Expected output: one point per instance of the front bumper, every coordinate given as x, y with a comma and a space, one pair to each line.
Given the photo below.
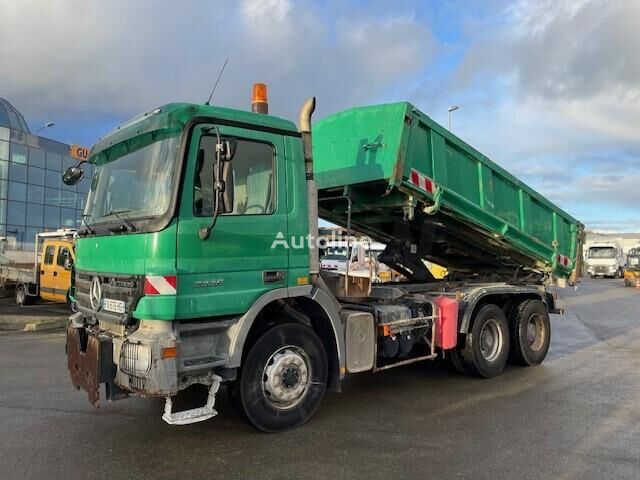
130, 364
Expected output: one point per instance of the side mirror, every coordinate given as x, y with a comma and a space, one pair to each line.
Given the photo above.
223, 182
68, 263
72, 175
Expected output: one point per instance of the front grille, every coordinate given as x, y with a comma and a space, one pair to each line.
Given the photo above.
601, 269
127, 288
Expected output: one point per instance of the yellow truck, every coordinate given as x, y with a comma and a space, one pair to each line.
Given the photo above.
49, 278
632, 269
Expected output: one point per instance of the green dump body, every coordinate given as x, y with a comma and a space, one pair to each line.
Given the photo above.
404, 172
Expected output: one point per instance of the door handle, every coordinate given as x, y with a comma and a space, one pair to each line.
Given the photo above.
273, 276
55, 274
41, 272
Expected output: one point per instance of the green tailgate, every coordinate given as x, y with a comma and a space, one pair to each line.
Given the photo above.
390, 143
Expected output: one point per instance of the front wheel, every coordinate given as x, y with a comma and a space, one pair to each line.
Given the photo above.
283, 379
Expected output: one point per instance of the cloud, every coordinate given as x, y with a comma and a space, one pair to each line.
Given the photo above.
551, 90
119, 58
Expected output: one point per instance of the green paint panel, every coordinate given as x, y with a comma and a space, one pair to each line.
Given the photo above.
363, 145
386, 142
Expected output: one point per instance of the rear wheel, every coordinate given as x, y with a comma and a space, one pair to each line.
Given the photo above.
487, 347
530, 333
22, 295
456, 360
283, 379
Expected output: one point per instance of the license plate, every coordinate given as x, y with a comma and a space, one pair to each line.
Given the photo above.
116, 306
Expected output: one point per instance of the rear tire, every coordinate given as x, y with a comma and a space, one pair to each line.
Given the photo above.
22, 295
487, 346
283, 378
456, 361
530, 330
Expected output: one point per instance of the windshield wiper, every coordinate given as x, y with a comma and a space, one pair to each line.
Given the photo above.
89, 230
128, 224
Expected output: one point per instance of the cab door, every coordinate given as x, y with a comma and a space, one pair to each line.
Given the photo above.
62, 273
48, 272
226, 273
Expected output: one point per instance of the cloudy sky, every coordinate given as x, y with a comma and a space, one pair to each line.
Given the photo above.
550, 90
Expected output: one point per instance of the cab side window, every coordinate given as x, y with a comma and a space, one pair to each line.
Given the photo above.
48, 254
63, 254
253, 174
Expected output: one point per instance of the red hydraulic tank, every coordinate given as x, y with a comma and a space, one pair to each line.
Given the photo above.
447, 323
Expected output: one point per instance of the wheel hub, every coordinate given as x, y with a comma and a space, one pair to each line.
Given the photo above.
286, 379
491, 340
535, 332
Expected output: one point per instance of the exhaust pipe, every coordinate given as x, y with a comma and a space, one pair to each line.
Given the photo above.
312, 192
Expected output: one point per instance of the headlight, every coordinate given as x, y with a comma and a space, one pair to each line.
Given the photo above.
612, 268
135, 358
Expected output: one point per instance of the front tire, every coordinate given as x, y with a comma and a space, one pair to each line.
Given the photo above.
530, 333
487, 347
283, 379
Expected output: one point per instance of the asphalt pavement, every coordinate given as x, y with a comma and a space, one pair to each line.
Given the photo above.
577, 416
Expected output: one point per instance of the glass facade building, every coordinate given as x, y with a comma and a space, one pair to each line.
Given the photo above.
33, 198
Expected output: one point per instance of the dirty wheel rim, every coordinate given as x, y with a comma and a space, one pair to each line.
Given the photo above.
20, 296
286, 377
491, 340
536, 332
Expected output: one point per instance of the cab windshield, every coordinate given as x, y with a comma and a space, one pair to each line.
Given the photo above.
602, 252
134, 180
633, 261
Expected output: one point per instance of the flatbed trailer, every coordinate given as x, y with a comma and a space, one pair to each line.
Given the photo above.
205, 221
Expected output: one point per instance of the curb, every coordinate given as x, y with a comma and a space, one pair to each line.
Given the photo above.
46, 325
30, 325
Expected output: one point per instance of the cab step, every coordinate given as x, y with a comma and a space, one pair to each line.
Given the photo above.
193, 415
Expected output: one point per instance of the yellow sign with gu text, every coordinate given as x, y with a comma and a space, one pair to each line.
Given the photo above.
79, 152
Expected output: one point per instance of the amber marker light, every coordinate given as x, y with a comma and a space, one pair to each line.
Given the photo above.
259, 100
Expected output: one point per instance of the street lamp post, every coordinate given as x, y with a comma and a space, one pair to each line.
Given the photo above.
46, 125
452, 108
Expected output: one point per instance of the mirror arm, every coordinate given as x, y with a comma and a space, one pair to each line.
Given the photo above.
218, 187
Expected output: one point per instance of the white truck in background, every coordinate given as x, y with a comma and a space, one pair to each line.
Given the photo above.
605, 259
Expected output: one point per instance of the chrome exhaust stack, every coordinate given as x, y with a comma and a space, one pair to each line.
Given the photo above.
312, 193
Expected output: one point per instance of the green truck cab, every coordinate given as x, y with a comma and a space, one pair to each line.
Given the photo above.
198, 264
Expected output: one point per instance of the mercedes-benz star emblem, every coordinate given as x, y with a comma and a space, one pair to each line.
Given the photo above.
95, 294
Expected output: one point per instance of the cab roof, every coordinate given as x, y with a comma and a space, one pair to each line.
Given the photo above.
174, 116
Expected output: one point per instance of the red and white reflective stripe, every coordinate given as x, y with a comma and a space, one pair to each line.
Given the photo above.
564, 261
422, 182
160, 284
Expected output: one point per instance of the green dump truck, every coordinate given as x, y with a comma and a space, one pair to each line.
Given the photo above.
198, 258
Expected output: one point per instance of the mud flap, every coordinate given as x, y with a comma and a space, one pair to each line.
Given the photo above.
83, 362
